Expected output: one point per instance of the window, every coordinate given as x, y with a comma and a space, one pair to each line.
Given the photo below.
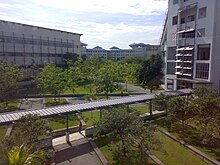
202, 70
203, 52
202, 12
170, 83
175, 20
201, 32
171, 67
182, 20
191, 18
175, 2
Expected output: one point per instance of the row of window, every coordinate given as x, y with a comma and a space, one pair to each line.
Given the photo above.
202, 70
190, 18
7, 54
32, 41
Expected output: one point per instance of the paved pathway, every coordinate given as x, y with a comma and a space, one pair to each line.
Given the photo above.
78, 151
139, 89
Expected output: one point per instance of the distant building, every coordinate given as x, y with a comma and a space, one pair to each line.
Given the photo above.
191, 44
26, 45
137, 50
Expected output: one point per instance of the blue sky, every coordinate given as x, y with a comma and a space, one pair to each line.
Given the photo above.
105, 23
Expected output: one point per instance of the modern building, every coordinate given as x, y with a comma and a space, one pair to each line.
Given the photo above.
26, 45
137, 50
191, 44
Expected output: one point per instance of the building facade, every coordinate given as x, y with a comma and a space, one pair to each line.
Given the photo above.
26, 45
190, 44
115, 53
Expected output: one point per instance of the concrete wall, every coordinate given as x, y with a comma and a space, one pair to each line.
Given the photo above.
26, 44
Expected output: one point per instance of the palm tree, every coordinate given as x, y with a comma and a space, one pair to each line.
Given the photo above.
23, 155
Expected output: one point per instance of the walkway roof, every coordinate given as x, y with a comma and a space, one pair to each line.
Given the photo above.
10, 117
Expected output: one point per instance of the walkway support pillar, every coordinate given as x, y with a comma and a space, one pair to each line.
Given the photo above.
150, 107
67, 128
100, 114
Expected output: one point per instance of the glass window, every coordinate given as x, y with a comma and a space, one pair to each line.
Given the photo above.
201, 32
203, 52
175, 2
202, 70
202, 12
171, 67
170, 83
175, 20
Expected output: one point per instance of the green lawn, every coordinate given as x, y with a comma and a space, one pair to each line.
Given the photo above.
104, 144
3, 130
52, 102
91, 117
141, 109
60, 122
171, 152
192, 137
8, 106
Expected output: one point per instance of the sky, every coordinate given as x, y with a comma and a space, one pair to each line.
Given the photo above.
105, 23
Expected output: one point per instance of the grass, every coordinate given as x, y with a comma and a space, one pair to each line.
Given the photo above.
3, 130
194, 138
171, 152
105, 145
60, 122
91, 117
141, 109
52, 102
8, 106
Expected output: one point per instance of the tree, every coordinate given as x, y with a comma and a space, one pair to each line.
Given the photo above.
178, 110
26, 135
9, 77
51, 79
107, 78
131, 137
150, 74
160, 102
70, 58
25, 155
206, 106
129, 72
27, 132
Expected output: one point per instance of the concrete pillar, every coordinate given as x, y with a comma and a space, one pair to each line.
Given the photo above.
67, 128
150, 107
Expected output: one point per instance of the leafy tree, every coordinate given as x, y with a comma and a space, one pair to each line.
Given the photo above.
206, 106
51, 79
129, 72
178, 110
27, 132
25, 155
70, 58
150, 74
9, 77
107, 78
131, 138
133, 60
160, 102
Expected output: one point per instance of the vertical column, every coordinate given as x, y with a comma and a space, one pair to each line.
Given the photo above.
100, 114
150, 107
14, 48
67, 128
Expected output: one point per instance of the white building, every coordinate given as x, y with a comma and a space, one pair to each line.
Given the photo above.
191, 44
137, 50
26, 45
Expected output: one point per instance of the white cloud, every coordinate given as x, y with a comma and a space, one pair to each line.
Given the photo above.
135, 7
64, 15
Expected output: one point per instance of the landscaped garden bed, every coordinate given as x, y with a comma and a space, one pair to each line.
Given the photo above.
8, 106
55, 101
